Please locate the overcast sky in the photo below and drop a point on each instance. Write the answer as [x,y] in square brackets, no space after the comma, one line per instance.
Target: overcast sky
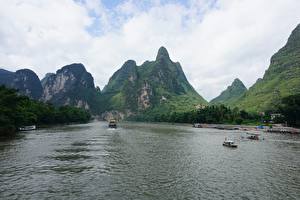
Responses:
[214,40]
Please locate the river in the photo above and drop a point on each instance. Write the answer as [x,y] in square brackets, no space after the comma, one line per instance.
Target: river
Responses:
[147,161]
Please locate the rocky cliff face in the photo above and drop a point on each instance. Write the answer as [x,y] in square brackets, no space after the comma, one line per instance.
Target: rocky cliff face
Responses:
[71,85]
[231,94]
[24,80]
[44,80]
[133,89]
[281,79]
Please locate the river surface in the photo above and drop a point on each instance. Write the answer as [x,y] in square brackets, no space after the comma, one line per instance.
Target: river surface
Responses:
[147,161]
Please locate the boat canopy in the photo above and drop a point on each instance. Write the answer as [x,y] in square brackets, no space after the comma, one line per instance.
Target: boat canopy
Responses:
[229,141]
[253,133]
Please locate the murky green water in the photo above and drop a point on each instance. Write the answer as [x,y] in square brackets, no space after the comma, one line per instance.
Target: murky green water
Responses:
[147,161]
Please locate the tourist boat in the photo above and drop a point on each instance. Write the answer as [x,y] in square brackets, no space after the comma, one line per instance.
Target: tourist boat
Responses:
[253,136]
[112,123]
[27,128]
[197,125]
[229,143]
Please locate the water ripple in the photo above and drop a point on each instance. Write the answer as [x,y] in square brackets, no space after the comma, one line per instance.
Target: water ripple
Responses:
[147,161]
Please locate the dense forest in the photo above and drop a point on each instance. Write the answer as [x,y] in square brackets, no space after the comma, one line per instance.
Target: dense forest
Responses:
[214,114]
[17,110]
[288,109]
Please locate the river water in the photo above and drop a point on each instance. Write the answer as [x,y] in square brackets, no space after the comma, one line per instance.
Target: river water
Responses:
[147,161]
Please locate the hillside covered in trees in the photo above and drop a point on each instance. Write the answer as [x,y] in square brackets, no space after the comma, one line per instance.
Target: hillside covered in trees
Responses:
[18,110]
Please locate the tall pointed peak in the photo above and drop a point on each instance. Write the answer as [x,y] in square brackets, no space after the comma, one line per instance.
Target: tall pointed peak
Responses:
[294,37]
[73,66]
[129,63]
[232,93]
[162,53]
[238,83]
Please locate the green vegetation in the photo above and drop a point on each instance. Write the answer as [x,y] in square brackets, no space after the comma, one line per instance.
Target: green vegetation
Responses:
[17,110]
[231,94]
[282,79]
[287,109]
[76,89]
[215,114]
[155,86]
[155,91]
[290,109]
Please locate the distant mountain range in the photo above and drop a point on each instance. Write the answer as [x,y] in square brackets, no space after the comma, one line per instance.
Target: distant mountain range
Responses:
[71,85]
[158,86]
[231,94]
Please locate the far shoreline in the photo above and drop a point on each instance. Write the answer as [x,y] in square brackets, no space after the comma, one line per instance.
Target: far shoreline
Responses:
[276,128]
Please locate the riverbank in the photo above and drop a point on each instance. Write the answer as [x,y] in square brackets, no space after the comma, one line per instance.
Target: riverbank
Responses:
[273,129]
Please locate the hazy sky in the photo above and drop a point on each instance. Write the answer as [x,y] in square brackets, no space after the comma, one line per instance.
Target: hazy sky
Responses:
[214,40]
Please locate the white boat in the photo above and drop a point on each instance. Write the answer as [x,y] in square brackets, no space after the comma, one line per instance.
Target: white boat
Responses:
[27,128]
[230,143]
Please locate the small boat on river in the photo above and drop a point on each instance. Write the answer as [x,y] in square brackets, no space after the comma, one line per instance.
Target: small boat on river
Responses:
[112,123]
[229,143]
[27,128]
[253,135]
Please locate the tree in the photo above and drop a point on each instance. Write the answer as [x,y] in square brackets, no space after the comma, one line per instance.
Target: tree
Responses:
[17,110]
[290,108]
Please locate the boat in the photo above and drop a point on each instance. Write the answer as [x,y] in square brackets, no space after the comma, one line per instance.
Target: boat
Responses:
[112,123]
[27,128]
[253,136]
[229,143]
[197,125]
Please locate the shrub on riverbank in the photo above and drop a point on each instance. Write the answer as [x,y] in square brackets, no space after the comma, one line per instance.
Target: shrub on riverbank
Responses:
[17,110]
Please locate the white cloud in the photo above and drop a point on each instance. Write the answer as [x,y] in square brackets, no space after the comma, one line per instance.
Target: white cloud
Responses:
[214,41]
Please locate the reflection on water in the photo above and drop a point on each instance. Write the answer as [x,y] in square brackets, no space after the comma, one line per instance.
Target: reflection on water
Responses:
[70,169]
[80,144]
[147,161]
[72,150]
[70,157]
